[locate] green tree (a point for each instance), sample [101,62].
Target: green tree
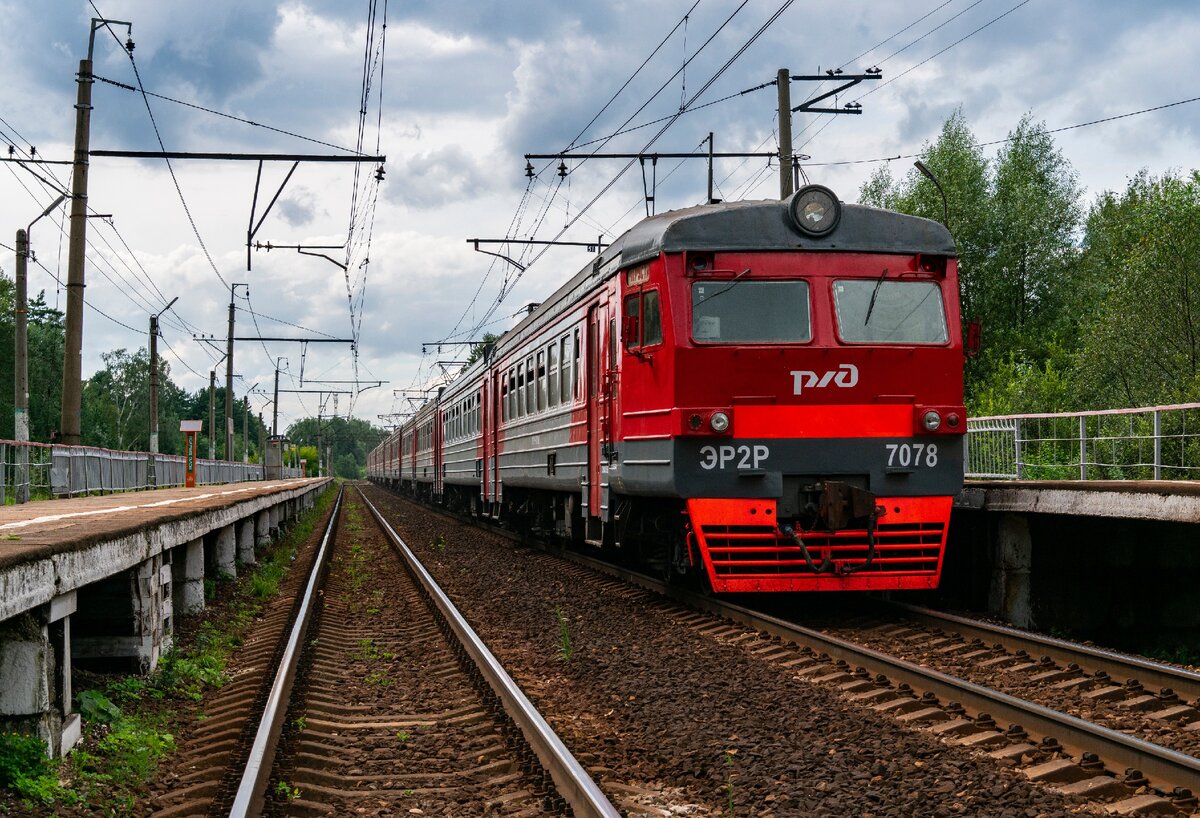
[116,402]
[1035,217]
[349,440]
[45,359]
[478,349]
[1143,344]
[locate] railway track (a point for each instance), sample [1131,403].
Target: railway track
[1098,759]
[382,701]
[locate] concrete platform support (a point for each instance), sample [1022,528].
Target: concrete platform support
[273,520]
[226,551]
[1010,594]
[188,577]
[35,675]
[262,528]
[128,616]
[153,610]
[245,541]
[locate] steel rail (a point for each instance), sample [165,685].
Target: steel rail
[251,792]
[572,780]
[1164,767]
[1118,665]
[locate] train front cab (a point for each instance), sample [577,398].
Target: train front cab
[809,405]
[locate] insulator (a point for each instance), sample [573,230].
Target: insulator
[529,169]
[562,169]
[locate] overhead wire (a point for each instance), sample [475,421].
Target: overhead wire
[242,120]
[509,283]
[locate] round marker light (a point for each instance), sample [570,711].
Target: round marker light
[814,210]
[932,421]
[952,420]
[719,422]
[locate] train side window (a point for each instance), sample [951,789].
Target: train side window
[552,375]
[575,387]
[593,358]
[541,379]
[612,343]
[530,387]
[512,393]
[651,319]
[504,398]
[564,363]
[520,390]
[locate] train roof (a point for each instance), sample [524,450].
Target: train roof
[761,224]
[765,225]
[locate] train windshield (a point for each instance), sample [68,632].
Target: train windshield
[878,311]
[750,312]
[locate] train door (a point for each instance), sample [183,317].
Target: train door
[491,441]
[439,463]
[599,424]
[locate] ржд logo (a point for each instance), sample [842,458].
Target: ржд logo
[846,375]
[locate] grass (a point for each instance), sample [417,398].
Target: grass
[565,649]
[127,719]
[368,651]
[378,678]
[728,785]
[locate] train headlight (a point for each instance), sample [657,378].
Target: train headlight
[719,422]
[932,421]
[814,210]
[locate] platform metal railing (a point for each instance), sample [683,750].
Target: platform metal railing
[41,471]
[1151,443]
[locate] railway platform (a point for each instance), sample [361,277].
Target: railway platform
[102,578]
[1060,548]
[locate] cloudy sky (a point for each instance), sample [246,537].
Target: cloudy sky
[458,91]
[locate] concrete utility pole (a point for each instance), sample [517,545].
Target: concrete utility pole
[153,474]
[229,383]
[21,353]
[275,405]
[785,133]
[21,375]
[70,431]
[246,429]
[212,414]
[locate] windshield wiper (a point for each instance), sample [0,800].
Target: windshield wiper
[874,295]
[733,281]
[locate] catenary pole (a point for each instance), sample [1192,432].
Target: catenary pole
[21,379]
[785,133]
[228,425]
[153,474]
[72,389]
[275,404]
[246,429]
[212,414]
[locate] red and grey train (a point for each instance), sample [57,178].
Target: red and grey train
[766,395]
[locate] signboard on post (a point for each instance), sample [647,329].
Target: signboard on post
[190,428]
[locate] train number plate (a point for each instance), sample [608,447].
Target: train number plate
[912,455]
[733,457]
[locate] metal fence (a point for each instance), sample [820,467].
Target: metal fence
[1154,443]
[40,471]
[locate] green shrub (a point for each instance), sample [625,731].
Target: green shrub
[95,706]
